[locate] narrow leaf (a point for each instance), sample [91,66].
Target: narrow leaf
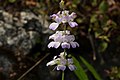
[80,73]
[91,69]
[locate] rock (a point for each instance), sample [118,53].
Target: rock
[21,31]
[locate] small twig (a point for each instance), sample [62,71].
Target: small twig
[33,67]
[95,51]
[93,46]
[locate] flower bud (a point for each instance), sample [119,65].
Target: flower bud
[62,4]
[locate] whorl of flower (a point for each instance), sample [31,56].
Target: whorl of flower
[62,62]
[63,17]
[64,39]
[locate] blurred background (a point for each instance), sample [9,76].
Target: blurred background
[24,36]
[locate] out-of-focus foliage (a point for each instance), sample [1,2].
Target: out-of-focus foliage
[11,1]
[114,73]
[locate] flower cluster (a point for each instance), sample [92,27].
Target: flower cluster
[63,17]
[62,62]
[64,39]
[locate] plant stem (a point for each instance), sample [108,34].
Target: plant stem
[63,75]
[64,25]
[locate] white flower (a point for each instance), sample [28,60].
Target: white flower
[62,62]
[63,17]
[64,39]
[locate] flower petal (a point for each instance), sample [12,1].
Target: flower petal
[63,61]
[70,61]
[73,24]
[61,67]
[65,45]
[72,67]
[56,44]
[52,36]
[74,44]
[51,63]
[54,26]
[58,20]
[51,44]
[73,15]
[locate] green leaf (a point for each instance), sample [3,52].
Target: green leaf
[80,73]
[91,69]
[103,7]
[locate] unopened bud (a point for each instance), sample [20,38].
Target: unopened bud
[62,4]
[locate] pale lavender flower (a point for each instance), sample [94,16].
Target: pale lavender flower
[57,19]
[64,39]
[63,17]
[62,62]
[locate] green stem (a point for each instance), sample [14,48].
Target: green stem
[64,53]
[63,75]
[64,25]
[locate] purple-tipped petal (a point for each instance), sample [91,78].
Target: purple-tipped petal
[61,67]
[72,67]
[73,24]
[73,15]
[74,44]
[65,45]
[53,16]
[54,26]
